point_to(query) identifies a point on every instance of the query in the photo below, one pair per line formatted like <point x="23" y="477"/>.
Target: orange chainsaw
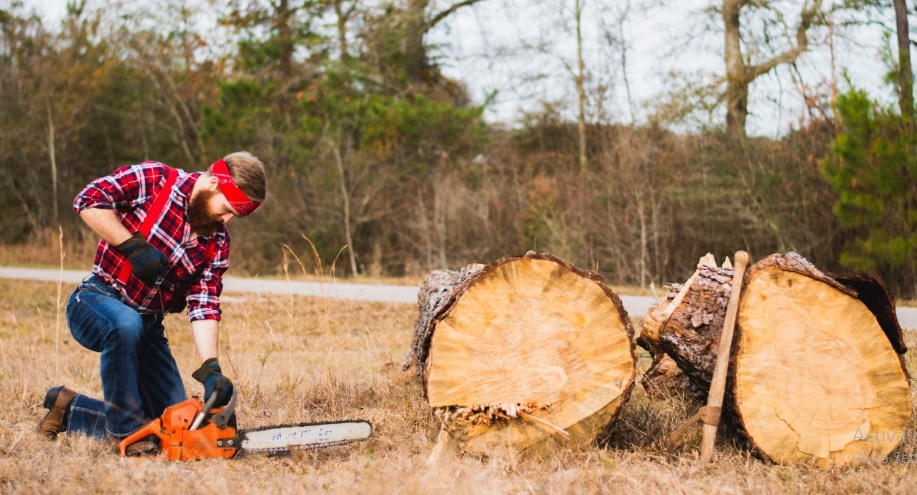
<point x="193" y="430"/>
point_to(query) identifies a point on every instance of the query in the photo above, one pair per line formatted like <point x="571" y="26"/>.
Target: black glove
<point x="214" y="382"/>
<point x="147" y="262"/>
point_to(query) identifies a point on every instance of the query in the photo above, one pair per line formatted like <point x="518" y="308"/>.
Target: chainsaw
<point x="193" y="430"/>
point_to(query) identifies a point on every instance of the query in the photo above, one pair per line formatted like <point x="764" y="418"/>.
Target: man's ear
<point x="213" y="183"/>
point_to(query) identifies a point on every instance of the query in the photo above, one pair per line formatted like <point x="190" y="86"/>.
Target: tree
<point x="874" y="175"/>
<point x="273" y="30"/>
<point x="905" y="76"/>
<point x="395" y="40"/>
<point x="580" y="91"/>
<point x="740" y="73"/>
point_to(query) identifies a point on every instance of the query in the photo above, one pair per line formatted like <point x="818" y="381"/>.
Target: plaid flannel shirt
<point x="191" y="279"/>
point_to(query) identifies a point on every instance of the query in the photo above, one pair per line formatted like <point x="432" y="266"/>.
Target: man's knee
<point x="126" y="331"/>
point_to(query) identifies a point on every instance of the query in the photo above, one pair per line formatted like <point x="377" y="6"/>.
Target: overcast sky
<point x="525" y="50"/>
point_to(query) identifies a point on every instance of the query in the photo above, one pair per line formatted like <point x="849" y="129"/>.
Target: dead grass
<point x="302" y="359"/>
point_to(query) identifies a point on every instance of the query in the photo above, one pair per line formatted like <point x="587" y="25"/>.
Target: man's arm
<point x="206" y="337"/>
<point x="147" y="263"/>
<point x="107" y="224"/>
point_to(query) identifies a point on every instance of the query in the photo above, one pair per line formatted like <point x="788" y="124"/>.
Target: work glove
<point x="214" y="382"/>
<point x="147" y="262"/>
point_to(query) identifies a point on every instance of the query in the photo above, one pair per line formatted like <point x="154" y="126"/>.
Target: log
<point x="686" y="327"/>
<point x="816" y="374"/>
<point x="522" y="354"/>
<point x="816" y="377"/>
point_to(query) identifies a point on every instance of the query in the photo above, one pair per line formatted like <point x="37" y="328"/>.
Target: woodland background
<point x="390" y="168"/>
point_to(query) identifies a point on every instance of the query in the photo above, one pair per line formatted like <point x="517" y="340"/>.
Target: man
<point x="164" y="245"/>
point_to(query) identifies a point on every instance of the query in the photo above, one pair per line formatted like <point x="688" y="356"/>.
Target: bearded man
<point x="164" y="246"/>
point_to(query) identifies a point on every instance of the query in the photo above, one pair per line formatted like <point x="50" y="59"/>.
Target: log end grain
<point x="528" y="337"/>
<point x="815" y="378"/>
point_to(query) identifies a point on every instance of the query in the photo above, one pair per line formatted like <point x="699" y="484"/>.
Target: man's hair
<point x="248" y="173"/>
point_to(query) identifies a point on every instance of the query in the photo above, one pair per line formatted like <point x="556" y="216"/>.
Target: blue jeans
<point x="139" y="375"/>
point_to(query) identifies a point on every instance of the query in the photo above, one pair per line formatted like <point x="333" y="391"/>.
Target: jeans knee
<point x="126" y="331"/>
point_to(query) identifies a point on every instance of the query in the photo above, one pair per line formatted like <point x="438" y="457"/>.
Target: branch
<point x="446" y="13"/>
<point x="802" y="44"/>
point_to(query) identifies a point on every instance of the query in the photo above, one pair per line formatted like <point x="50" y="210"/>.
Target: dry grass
<point x="302" y="359"/>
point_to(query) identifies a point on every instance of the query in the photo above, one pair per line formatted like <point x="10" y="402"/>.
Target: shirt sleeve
<point x="204" y="297"/>
<point x="127" y="187"/>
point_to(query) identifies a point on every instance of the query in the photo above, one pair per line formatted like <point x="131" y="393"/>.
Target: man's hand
<point x="147" y="262"/>
<point x="214" y="382"/>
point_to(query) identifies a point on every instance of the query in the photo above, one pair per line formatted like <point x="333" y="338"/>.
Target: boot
<point x="57" y="401"/>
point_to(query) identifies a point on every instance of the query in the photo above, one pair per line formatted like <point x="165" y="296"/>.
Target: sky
<point x="524" y="50"/>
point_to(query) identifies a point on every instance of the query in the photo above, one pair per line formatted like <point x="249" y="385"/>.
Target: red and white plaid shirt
<point x="191" y="278"/>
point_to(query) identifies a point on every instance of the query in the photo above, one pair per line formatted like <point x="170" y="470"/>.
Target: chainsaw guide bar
<point x="283" y="439"/>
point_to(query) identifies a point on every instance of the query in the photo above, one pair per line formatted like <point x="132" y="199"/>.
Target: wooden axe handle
<point x="718" y="385"/>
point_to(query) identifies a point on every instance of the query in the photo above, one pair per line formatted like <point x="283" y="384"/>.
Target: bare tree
<point x="740" y="73"/>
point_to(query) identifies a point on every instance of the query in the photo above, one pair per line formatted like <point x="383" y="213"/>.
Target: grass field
<point x="303" y="359"/>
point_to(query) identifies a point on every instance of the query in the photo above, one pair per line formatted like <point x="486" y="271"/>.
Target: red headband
<point x="237" y="199"/>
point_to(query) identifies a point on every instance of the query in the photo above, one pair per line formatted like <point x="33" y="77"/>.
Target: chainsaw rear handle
<point x="152" y="428"/>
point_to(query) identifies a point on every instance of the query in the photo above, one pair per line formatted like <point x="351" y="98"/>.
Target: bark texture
<point x="511" y="353"/>
<point x="816" y="372"/>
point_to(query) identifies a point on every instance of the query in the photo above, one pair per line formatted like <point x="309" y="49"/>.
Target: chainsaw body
<point x="179" y="441"/>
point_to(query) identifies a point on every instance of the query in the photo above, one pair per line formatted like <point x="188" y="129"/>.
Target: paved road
<point x="635" y="305"/>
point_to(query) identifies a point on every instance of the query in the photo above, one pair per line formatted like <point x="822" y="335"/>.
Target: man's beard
<point x="202" y="223"/>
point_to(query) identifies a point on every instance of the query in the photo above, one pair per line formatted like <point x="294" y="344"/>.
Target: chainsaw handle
<point x="152" y="428"/>
<point x="204" y="412"/>
<point x="221" y="419"/>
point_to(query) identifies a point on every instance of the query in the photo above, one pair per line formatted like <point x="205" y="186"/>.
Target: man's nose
<point x="227" y="217"/>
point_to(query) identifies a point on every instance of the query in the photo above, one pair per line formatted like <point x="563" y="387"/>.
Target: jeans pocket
<point x="93" y="284"/>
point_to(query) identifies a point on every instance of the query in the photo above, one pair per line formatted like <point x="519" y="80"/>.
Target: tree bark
<point x="739" y="75"/>
<point x="686" y="327"/>
<point x="415" y="28"/>
<point x="736" y="86"/>
<point x="905" y="76"/>
<point x="511" y="353"/>
<point x="580" y="90"/>
<point x="342" y="18"/>
<point x="817" y="374"/>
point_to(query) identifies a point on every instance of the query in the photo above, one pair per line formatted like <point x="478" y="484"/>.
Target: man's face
<point x="208" y="210"/>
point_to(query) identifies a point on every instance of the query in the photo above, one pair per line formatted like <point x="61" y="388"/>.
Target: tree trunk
<point x="414" y="51"/>
<point x="905" y="76"/>
<point x="736" y="85"/>
<point x="580" y="90"/>
<point x="283" y="25"/>
<point x="816" y="373"/>
<point x="740" y="75"/>
<point x="511" y="353"/>
<point x="342" y="18"/>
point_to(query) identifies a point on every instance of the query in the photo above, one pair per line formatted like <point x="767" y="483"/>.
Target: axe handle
<point x="718" y="385"/>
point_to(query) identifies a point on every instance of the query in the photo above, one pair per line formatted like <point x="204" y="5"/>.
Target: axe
<point x="718" y="385"/>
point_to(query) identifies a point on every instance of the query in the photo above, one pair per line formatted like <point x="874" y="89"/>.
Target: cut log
<point x="686" y="327"/>
<point x="816" y="378"/>
<point x="522" y="353"/>
<point x="816" y="373"/>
